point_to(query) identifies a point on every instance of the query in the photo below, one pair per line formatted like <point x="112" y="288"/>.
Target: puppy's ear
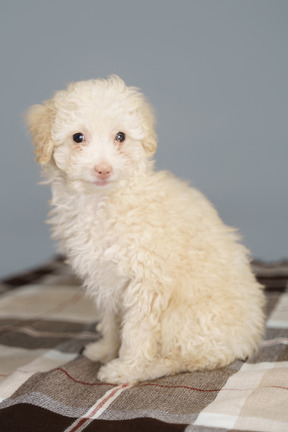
<point x="40" y="119"/>
<point x="148" y="124"/>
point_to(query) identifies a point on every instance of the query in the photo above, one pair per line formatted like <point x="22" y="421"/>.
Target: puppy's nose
<point x="103" y="170"/>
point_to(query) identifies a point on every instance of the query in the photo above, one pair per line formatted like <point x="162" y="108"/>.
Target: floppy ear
<point x="40" y="119"/>
<point x="148" y="124"/>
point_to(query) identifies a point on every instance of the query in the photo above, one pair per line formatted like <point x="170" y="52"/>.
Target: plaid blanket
<point x="47" y="385"/>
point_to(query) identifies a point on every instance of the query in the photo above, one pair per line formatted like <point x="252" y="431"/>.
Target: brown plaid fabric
<point x="47" y="385"/>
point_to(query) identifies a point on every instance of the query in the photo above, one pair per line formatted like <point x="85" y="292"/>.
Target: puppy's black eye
<point x="120" y="137"/>
<point x="78" y="137"/>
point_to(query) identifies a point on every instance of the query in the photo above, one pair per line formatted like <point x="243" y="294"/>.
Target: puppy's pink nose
<point x="103" y="170"/>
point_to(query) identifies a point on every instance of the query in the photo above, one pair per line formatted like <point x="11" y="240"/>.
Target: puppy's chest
<point x="88" y="237"/>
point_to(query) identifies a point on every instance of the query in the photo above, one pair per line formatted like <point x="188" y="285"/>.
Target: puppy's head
<point x="95" y="132"/>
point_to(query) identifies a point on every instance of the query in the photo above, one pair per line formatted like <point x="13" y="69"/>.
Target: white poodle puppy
<point x="171" y="282"/>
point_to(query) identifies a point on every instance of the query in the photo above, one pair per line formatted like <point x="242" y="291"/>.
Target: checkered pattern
<point x="47" y="385"/>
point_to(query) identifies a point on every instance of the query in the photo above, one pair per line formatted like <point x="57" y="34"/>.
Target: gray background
<point x="216" y="72"/>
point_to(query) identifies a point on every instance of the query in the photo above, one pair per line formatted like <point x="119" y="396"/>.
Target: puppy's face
<point x="95" y="133"/>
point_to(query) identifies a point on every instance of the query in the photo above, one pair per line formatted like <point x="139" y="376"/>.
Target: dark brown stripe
<point x="29" y="418"/>
<point x="275" y="283"/>
<point x="134" y="425"/>
<point x="35" y="274"/>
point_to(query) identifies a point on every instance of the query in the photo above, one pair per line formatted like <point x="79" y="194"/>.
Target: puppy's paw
<point x="100" y="351"/>
<point x="116" y="372"/>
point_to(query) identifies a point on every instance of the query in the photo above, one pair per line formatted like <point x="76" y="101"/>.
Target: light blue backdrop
<point x="216" y="72"/>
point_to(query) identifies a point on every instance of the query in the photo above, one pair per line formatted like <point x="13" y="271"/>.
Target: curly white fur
<point x="171" y="282"/>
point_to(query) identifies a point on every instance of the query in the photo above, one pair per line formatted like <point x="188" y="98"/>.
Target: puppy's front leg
<point x="140" y="352"/>
<point x="107" y="347"/>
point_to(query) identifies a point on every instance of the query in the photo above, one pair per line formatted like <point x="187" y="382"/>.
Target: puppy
<point x="172" y="284"/>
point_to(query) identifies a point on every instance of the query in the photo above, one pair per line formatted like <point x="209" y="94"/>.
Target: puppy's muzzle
<point x="103" y="171"/>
